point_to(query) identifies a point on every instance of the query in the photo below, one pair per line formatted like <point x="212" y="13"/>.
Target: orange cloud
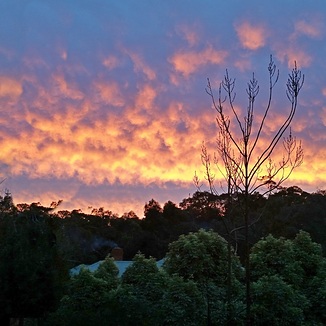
<point x="163" y="148"/>
<point x="145" y="97"/>
<point x="105" y="151"/>
<point x="313" y="169"/>
<point x="188" y="62"/>
<point x="64" y="89"/>
<point x="118" y="205"/>
<point x="10" y="87"/>
<point x="311" y="174"/>
<point x="94" y="112"/>
<point x="109" y="92"/>
<point x="141" y="66"/>
<point x="139" y="142"/>
<point x="251" y="37"/>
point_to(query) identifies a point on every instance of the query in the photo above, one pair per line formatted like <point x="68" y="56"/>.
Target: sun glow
<point x="112" y="99"/>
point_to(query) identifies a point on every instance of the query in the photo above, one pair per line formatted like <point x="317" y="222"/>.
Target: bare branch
<point x="197" y="182"/>
<point x="294" y="85"/>
<point x="272" y="83"/>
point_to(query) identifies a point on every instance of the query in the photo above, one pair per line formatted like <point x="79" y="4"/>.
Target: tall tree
<point x="31" y="272"/>
<point x="242" y="147"/>
<point x="289" y="281"/>
<point x="202" y="257"/>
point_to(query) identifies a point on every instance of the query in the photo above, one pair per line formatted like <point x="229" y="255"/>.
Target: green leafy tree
<point x="31" y="272"/>
<point x="182" y="303"/>
<point x="108" y="272"/>
<point x="275" y="302"/>
<point x="316" y="293"/>
<point x="146" y="284"/>
<point x="275" y="256"/>
<point x="83" y="303"/>
<point x="150" y="296"/>
<point x="313" y="286"/>
<point x="87" y="300"/>
<point x="202" y="257"/>
<point x="299" y="267"/>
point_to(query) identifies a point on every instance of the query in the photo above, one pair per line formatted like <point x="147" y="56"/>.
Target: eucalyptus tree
<point x="202" y="257"/>
<point x="289" y="283"/>
<point x="244" y="150"/>
<point x="32" y="274"/>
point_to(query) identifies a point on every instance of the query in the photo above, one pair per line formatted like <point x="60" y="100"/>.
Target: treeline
<point x="38" y="245"/>
<point x="192" y="288"/>
<point x="87" y="238"/>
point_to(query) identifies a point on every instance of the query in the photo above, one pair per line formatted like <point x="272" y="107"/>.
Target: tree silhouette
<point x="246" y="156"/>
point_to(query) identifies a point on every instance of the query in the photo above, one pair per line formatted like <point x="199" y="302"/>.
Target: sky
<point x="103" y="103"/>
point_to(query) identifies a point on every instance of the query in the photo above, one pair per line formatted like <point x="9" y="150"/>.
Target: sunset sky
<point x="103" y="102"/>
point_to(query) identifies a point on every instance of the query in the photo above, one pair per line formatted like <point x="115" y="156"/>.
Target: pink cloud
<point x="312" y="29"/>
<point x="141" y="66"/>
<point x="324" y="91"/>
<point x="111" y="62"/>
<point x="251" y="37"/>
<point x="189" y="34"/>
<point x="323" y="115"/>
<point x="109" y="92"/>
<point x="64" y="55"/>
<point x="145" y="97"/>
<point x="188" y="62"/>
<point x="243" y="64"/>
<point x="65" y="89"/>
<point x="294" y="54"/>
<point x="10" y="87"/>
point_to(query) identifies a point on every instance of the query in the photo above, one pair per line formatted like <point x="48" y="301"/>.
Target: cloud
<point x="111" y="62"/>
<point x="10" y="87"/>
<point x="243" y="64"/>
<point x="74" y="143"/>
<point x="188" y="62"/>
<point x="324" y="91"/>
<point x="71" y="136"/>
<point x="323" y="115"/>
<point x="251" y="37"/>
<point x="293" y="54"/>
<point x="141" y="66"/>
<point x="295" y="49"/>
<point x="145" y="97"/>
<point x="313" y="29"/>
<point x="63" y="55"/>
<point x="65" y="89"/>
<point x="92" y="101"/>
<point x="190" y="34"/>
<point x="109" y="92"/>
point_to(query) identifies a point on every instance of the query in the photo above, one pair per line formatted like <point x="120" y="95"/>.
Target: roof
<point x="121" y="265"/>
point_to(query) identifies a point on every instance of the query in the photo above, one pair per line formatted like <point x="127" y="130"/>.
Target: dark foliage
<point x="39" y="244"/>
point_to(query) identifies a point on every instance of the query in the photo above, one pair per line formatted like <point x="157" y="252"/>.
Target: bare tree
<point x="246" y="157"/>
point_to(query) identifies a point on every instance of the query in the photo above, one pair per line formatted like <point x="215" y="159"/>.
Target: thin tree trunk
<point x="229" y="282"/>
<point x="247" y="263"/>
